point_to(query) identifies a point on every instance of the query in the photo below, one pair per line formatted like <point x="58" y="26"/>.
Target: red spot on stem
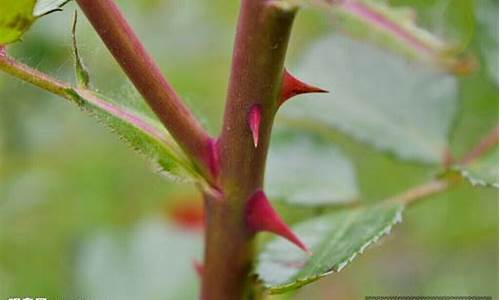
<point x="260" y="216"/>
<point x="291" y="86"/>
<point x="254" y="118"/>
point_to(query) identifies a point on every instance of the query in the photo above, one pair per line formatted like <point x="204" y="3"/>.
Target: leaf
<point x="306" y="169"/>
<point x="487" y="19"/>
<point x="16" y="16"/>
<point x="383" y="100"/>
<point x="391" y="27"/>
<point x="335" y="240"/>
<point x="81" y="73"/>
<point x="44" y="7"/>
<point x="142" y="133"/>
<point x="482" y="171"/>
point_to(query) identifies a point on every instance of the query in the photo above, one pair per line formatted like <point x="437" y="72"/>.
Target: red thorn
<point x="198" y="267"/>
<point x="254" y="117"/>
<point x="213" y="157"/>
<point x="291" y="86"/>
<point x="260" y="216"/>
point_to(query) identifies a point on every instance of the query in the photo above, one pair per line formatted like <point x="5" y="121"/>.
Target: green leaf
<point x="144" y="134"/>
<point x="16" y="16"/>
<point x="392" y="27"/>
<point x="482" y="171"/>
<point x="335" y="240"/>
<point x="81" y="73"/>
<point x="305" y="169"/>
<point x="394" y="105"/>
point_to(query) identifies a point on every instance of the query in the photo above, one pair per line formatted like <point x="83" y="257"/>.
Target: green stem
<point x="259" y="52"/>
<point x="425" y="190"/>
<point x="35" y="77"/>
<point x="440" y="185"/>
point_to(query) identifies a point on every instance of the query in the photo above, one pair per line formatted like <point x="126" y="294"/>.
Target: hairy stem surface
<point x="257" y="68"/>
<point x="35" y="77"/>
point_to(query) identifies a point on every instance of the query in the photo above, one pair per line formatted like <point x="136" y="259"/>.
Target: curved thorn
<point x="291" y="86"/>
<point x="260" y="216"/>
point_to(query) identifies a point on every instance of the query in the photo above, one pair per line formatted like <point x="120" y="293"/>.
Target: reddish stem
<point x="257" y="68"/>
<point x="486" y="143"/>
<point x="139" y="66"/>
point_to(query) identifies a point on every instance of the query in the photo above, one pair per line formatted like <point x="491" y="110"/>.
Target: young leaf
<point x="305" y="169"/>
<point x="482" y="171"/>
<point x="391" y="27"/>
<point x="142" y="133"/>
<point x="381" y="99"/>
<point x="334" y="239"/>
<point x="81" y="73"/>
<point x="16" y="16"/>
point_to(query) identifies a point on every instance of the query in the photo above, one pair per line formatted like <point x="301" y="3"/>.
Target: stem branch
<point x="425" y="190"/>
<point x="35" y="77"/>
<point x="140" y="67"/>
<point x="437" y="186"/>
<point x="485" y="144"/>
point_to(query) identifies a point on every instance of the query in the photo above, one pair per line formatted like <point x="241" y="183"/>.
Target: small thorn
<point x="260" y="216"/>
<point x="213" y="157"/>
<point x="198" y="267"/>
<point x="254" y="117"/>
<point x="291" y="86"/>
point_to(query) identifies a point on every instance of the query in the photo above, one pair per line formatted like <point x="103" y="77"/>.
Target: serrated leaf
<point x="142" y="133"/>
<point x="16" y="16"/>
<point x="482" y="171"/>
<point x="305" y="169"/>
<point x="380" y="99"/>
<point x="335" y="240"/>
<point x="392" y="27"/>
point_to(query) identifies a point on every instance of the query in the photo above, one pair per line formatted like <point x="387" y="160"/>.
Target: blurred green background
<point x="82" y="216"/>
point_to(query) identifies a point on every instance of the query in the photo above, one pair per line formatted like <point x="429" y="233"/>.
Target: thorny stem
<point x="257" y="68"/>
<point x="140" y="67"/>
<point x="260" y="47"/>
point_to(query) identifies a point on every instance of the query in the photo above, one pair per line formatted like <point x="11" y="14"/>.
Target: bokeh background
<point x="83" y="217"/>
